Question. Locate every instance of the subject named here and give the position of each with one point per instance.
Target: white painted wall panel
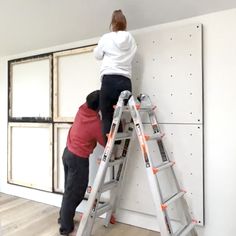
(30, 155)
(60, 137)
(76, 74)
(30, 88)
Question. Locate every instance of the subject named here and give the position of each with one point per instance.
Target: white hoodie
(117, 50)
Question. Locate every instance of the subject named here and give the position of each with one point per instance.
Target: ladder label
(143, 145)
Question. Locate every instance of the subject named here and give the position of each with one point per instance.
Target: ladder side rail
(87, 221)
(93, 215)
(93, 200)
(115, 194)
(125, 152)
(156, 129)
(165, 227)
(116, 176)
(145, 101)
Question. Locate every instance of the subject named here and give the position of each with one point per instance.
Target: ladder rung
(116, 162)
(111, 161)
(186, 229)
(172, 199)
(147, 108)
(163, 166)
(121, 136)
(109, 185)
(156, 136)
(102, 209)
(126, 109)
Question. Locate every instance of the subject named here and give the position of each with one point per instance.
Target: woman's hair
(118, 21)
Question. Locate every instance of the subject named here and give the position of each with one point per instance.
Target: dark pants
(76, 182)
(112, 86)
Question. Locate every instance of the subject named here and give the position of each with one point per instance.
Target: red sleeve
(99, 135)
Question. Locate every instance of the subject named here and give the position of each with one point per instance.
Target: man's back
(85, 132)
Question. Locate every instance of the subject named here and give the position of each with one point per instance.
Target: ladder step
(116, 162)
(102, 209)
(126, 109)
(109, 185)
(121, 136)
(156, 136)
(186, 229)
(147, 108)
(172, 199)
(164, 166)
(142, 109)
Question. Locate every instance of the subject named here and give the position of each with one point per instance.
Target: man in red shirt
(82, 139)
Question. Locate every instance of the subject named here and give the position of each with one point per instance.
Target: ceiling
(27, 25)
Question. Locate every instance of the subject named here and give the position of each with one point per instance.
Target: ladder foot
(80, 216)
(89, 189)
(113, 220)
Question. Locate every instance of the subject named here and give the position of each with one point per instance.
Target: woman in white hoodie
(116, 50)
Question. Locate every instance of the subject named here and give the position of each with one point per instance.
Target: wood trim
(56, 156)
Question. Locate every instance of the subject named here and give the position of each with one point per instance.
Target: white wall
(219, 37)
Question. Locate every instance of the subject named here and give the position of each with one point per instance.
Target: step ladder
(171, 208)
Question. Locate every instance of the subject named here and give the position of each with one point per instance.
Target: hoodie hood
(86, 114)
(122, 40)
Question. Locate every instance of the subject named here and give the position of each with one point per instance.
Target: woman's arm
(98, 51)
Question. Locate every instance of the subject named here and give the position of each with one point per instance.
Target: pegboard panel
(168, 67)
(76, 74)
(183, 143)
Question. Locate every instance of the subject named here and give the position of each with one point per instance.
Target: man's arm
(99, 135)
